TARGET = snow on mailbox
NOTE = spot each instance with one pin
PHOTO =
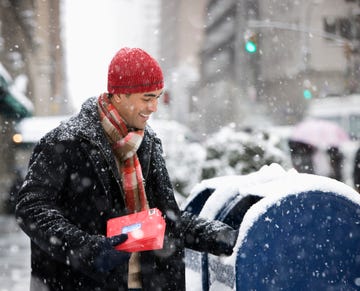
(296, 231)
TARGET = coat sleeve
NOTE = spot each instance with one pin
(196, 233)
(205, 235)
(41, 217)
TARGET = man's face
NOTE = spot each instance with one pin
(136, 108)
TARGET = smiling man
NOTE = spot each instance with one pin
(103, 163)
(136, 109)
(135, 81)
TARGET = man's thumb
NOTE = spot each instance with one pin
(118, 239)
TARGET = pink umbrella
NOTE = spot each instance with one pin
(319, 133)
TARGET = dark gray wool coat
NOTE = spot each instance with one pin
(73, 187)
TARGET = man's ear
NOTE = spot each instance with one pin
(117, 98)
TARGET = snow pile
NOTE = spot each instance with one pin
(230, 152)
(229, 186)
(183, 154)
(225, 153)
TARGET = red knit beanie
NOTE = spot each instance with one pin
(132, 70)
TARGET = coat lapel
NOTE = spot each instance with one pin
(98, 146)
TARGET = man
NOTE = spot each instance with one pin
(104, 163)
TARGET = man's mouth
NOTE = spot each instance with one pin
(146, 116)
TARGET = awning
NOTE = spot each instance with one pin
(13, 104)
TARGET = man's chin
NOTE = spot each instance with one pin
(141, 126)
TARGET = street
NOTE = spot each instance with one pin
(14, 256)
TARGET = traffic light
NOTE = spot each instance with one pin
(308, 89)
(307, 94)
(251, 42)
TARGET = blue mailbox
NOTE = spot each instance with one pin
(296, 231)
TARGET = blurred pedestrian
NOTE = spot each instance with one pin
(107, 162)
(356, 171)
(336, 163)
(316, 147)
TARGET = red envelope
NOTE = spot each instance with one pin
(145, 230)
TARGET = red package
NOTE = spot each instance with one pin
(145, 230)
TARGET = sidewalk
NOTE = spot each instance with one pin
(14, 256)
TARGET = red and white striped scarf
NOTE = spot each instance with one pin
(125, 145)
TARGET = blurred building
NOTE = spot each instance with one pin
(32, 71)
(150, 11)
(293, 59)
(300, 50)
(181, 34)
(31, 46)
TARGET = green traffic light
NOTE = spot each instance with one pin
(250, 47)
(307, 94)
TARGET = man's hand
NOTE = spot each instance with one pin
(109, 258)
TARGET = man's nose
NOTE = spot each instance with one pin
(153, 104)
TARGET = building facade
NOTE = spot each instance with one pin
(304, 50)
(181, 34)
(297, 57)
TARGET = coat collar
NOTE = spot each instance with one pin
(89, 122)
(87, 125)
